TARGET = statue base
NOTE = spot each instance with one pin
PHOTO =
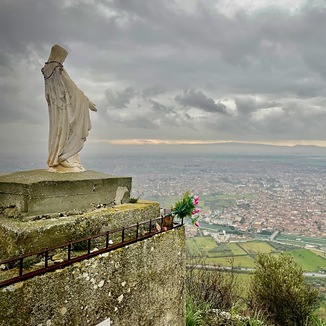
(37, 193)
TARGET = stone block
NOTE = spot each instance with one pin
(21, 237)
(38, 192)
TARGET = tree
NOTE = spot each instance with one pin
(278, 289)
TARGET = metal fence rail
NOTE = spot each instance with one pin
(22, 267)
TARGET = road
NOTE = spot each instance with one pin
(247, 270)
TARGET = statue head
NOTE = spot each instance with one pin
(58, 53)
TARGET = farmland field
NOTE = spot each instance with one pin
(236, 249)
(207, 202)
(255, 247)
(308, 260)
(200, 246)
(244, 253)
(319, 252)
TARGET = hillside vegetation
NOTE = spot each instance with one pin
(242, 258)
(277, 294)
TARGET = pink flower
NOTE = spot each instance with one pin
(195, 211)
(197, 224)
(196, 200)
(165, 228)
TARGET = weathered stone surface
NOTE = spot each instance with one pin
(39, 192)
(141, 284)
(18, 237)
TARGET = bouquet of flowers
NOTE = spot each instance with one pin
(186, 207)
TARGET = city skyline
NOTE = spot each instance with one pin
(179, 72)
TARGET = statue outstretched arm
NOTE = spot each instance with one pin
(92, 106)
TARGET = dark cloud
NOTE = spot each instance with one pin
(153, 91)
(166, 116)
(162, 109)
(197, 99)
(157, 117)
(119, 99)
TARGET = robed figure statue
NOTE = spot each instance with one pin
(68, 115)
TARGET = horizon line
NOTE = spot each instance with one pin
(143, 141)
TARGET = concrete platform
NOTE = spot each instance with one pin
(37, 193)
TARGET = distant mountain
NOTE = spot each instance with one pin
(256, 149)
(229, 148)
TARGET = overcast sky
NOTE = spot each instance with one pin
(174, 70)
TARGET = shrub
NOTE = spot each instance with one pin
(279, 290)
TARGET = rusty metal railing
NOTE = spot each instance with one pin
(25, 266)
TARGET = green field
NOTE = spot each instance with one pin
(220, 200)
(243, 254)
(206, 247)
(308, 260)
(318, 252)
(255, 247)
(236, 249)
(200, 246)
(206, 202)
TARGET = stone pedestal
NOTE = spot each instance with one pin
(40, 209)
(29, 194)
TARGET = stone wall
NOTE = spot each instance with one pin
(20, 237)
(140, 284)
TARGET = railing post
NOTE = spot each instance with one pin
(69, 249)
(137, 230)
(46, 257)
(123, 235)
(162, 218)
(107, 239)
(21, 262)
(150, 226)
(89, 245)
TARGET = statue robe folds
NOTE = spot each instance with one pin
(68, 114)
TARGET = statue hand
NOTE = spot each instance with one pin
(92, 106)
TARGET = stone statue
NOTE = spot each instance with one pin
(68, 115)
